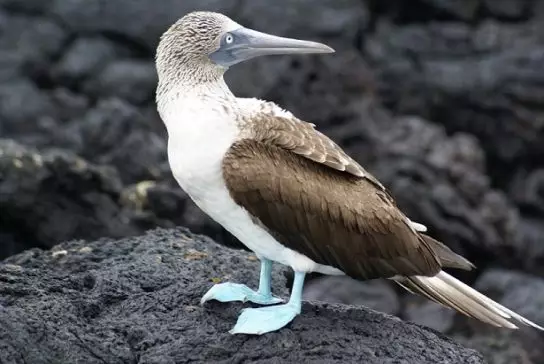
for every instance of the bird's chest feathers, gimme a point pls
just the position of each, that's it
(198, 138)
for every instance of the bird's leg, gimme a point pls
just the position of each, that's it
(228, 292)
(265, 319)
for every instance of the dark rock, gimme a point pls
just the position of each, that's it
(463, 10)
(131, 80)
(137, 299)
(530, 254)
(439, 181)
(467, 78)
(165, 204)
(69, 105)
(424, 312)
(54, 196)
(508, 9)
(321, 18)
(500, 347)
(321, 89)
(119, 134)
(27, 6)
(377, 295)
(49, 196)
(24, 108)
(426, 10)
(520, 292)
(258, 77)
(36, 117)
(527, 189)
(138, 21)
(30, 43)
(83, 57)
(10, 245)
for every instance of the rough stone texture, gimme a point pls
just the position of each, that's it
(136, 299)
(520, 292)
(56, 195)
(425, 312)
(139, 21)
(460, 146)
(460, 10)
(36, 40)
(84, 57)
(439, 180)
(52, 195)
(482, 79)
(501, 348)
(116, 133)
(377, 295)
(530, 252)
(134, 81)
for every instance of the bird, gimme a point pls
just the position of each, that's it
(287, 191)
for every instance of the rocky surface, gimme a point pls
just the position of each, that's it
(441, 99)
(137, 300)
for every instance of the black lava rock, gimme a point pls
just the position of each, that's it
(114, 132)
(468, 78)
(377, 295)
(28, 44)
(24, 108)
(140, 22)
(460, 148)
(522, 293)
(55, 195)
(138, 299)
(84, 57)
(131, 80)
(438, 180)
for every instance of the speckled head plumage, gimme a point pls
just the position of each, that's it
(201, 46)
(185, 47)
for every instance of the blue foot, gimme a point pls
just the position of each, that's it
(261, 320)
(228, 292)
(258, 321)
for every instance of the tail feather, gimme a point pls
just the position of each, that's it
(452, 293)
(448, 258)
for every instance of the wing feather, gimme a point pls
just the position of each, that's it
(335, 218)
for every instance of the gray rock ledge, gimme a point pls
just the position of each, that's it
(136, 300)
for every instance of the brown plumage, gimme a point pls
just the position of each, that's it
(332, 217)
(316, 200)
(319, 202)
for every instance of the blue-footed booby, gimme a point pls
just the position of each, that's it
(285, 190)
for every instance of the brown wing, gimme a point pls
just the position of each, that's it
(335, 218)
(302, 138)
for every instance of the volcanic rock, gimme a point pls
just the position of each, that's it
(137, 299)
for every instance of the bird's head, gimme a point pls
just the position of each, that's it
(212, 42)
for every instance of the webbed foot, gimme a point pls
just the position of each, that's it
(228, 292)
(265, 319)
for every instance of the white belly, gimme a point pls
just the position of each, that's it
(196, 147)
(207, 189)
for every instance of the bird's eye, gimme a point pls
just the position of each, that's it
(229, 39)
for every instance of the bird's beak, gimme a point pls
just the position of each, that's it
(248, 43)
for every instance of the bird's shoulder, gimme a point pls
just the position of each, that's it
(268, 123)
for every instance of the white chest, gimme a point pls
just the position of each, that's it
(199, 135)
(198, 138)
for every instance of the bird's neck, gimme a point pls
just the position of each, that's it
(207, 88)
